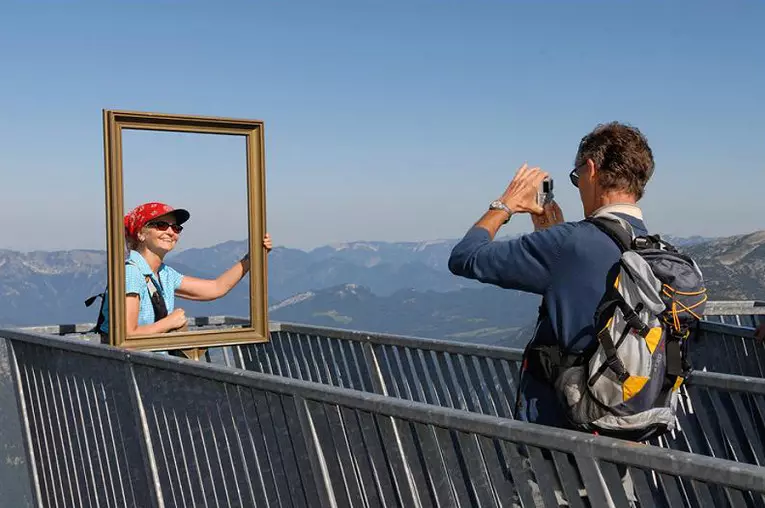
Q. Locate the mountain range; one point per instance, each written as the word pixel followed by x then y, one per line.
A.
pixel 392 287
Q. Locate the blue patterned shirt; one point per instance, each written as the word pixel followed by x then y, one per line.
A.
pixel 136 271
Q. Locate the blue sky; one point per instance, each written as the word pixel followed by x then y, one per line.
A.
pixel 384 120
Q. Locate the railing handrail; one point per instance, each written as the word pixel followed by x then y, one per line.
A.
pixel 512 354
pixel 727 329
pixel 699 377
pixel 735 307
pixel 703 468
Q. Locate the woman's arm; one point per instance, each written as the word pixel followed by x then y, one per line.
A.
pixel 174 320
pixel 193 288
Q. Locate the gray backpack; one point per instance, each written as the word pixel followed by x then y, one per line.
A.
pixel 627 383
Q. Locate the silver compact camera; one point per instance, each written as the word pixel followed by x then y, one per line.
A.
pixel 545 192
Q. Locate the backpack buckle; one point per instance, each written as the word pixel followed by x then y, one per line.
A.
pixel 642 242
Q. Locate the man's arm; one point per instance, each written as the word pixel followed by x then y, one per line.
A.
pixel 525 263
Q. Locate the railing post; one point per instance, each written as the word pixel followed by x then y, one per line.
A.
pixel 315 455
pixel 150 464
pixel 378 382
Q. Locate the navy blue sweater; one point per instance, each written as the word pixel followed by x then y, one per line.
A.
pixel 567 264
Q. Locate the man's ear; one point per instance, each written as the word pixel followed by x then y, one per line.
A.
pixel 592 171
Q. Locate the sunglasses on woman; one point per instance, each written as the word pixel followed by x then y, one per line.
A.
pixel 161 225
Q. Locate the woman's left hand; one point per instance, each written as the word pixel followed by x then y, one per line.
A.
pixel 267 242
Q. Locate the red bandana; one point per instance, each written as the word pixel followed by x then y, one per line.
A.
pixel 140 215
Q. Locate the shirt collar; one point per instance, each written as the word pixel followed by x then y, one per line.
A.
pixel 624 208
pixel 138 260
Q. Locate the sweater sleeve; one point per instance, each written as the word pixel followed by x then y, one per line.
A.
pixel 524 263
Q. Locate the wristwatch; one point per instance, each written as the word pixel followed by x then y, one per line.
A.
pixel 499 205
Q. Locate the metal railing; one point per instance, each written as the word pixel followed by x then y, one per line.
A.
pixel 719 415
pixel 728 349
pixel 105 427
pixel 748 313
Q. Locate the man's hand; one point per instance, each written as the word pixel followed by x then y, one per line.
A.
pixel 759 334
pixel 521 195
pixel 551 216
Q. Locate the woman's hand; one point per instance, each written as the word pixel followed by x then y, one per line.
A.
pixel 267 242
pixel 172 321
pixel 176 319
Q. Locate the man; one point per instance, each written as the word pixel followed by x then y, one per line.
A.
pixel 565 262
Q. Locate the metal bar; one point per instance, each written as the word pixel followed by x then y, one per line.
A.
pixel 363 464
pixel 593 484
pixel 316 458
pixel 569 479
pixel 342 464
pixel 497 472
pixel 547 480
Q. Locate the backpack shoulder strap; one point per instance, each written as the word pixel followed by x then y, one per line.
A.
pixel 157 299
pixel 619 230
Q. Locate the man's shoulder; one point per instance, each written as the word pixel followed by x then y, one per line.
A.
pixel 573 229
pixel 582 237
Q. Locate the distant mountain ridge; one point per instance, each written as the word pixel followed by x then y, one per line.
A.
pixel 394 277
pixel 488 314
pixel 733 267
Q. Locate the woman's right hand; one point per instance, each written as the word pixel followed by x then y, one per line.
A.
pixel 176 319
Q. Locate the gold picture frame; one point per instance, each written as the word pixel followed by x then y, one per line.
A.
pixel 114 123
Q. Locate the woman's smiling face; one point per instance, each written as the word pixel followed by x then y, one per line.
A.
pixel 161 234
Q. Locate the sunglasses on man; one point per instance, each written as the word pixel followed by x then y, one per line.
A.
pixel 574 176
pixel 162 225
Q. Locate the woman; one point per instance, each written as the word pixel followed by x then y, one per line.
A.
pixel 152 231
